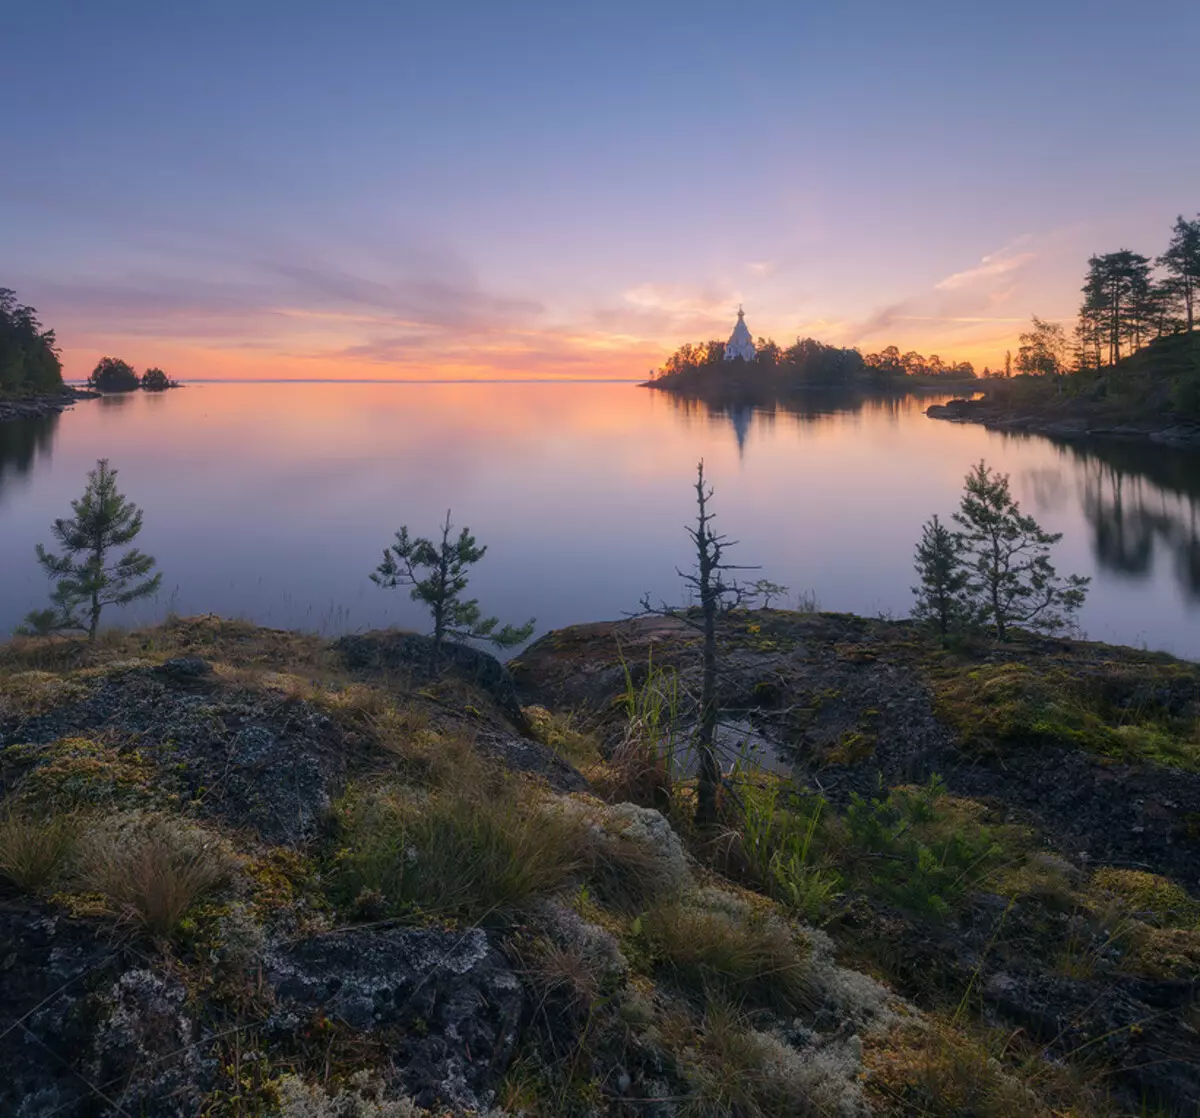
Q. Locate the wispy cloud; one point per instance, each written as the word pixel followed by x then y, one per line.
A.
pixel 995 266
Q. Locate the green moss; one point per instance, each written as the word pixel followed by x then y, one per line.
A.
pixel 1155 900
pixel 1110 709
pixel 28 694
pixel 77 772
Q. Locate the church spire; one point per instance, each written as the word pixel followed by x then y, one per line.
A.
pixel 740 343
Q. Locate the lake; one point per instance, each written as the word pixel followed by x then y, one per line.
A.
pixel 273 502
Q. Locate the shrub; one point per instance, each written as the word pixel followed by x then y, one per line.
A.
pixel 34 852
pixel 747 957
pixel 916 851
pixel 150 869
pixel 457 853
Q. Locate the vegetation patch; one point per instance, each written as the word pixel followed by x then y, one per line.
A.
pixel 749 958
pixel 36 850
pixel 1144 713
pixel 453 853
pixel 150 869
pixel 28 694
pixel 78 772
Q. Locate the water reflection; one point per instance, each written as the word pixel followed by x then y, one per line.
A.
pixel 745 411
pixel 22 442
pixel 826 490
pixel 1139 498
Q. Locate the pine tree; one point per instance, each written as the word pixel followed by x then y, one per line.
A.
pixel 1182 262
pixel 85 579
pixel 941 597
pixel 437 576
pixel 1010 578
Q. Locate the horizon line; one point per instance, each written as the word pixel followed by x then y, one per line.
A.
pixel 395 380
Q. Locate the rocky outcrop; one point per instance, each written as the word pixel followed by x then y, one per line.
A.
pixel 87 1028
pixel 253 759
pixel 445 1001
pixel 34 407
pixel 1069 420
pixel 408 659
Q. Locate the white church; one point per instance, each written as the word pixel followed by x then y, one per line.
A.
pixel 740 343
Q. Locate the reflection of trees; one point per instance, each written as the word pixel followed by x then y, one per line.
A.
pixel 812 406
pixel 22 441
pixel 1137 496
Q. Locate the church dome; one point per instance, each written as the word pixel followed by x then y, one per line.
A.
pixel 740 343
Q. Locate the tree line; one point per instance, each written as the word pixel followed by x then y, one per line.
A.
pixel 1126 302
pixel 29 361
pixel 806 361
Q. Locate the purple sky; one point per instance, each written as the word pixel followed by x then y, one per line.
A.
pixel 384 189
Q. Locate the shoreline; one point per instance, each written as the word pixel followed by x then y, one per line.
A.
pixel 37 407
pixel 1069 423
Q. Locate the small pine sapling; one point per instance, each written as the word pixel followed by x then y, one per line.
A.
pixel 1011 580
pixel 942 595
pixel 436 574
pixel 85 580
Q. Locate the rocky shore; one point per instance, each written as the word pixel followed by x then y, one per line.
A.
pixel 250 872
pixel 33 407
pixel 1067 420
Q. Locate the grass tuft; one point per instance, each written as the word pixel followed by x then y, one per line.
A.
pixel 150 869
pixel 457 852
pixel 748 958
pixel 34 852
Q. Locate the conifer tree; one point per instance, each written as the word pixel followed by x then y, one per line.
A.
pixel 436 574
pixel 85 578
pixel 708 583
pixel 1010 578
pixel 1182 262
pixel 942 596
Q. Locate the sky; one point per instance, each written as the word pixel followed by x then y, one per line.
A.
pixel 377 190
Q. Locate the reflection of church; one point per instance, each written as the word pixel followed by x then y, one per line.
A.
pixel 741 416
pixel 740 343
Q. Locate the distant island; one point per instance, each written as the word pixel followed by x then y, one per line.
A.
pixel 741 368
pixel 31 381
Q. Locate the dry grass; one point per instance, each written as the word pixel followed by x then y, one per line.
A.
pixel 34 852
pixel 150 869
pixel 560 733
pixel 750 959
pixel 465 852
pixel 731 1071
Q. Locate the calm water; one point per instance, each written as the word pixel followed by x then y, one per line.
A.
pixel 273 502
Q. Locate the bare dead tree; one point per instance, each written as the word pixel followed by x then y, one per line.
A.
pixel 707 583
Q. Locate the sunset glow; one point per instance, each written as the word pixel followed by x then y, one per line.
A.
pixel 495 206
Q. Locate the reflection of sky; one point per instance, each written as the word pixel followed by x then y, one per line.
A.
pixel 274 502
pixel 371 189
